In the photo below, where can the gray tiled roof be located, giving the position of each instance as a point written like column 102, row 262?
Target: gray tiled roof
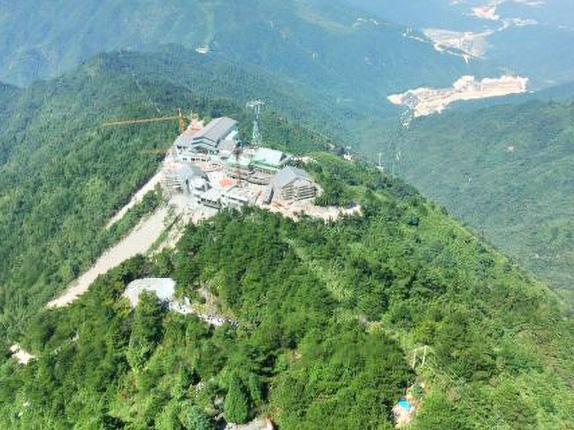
column 288, row 175
column 187, row 171
column 184, row 140
column 216, row 129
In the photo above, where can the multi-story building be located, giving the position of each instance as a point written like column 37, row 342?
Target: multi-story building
column 292, row 183
column 210, row 138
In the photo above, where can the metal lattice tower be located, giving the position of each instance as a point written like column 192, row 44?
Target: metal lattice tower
column 256, row 139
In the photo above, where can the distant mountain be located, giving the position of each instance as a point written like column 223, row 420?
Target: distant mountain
column 540, row 51
column 564, row 92
column 504, row 170
column 532, row 38
column 419, row 13
column 461, row 15
column 319, row 43
column 216, row 76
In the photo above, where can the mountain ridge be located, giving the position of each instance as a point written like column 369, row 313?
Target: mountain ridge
column 532, row 38
column 58, row 123
column 504, row 171
column 325, row 40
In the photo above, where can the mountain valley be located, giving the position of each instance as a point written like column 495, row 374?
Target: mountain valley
column 532, row 38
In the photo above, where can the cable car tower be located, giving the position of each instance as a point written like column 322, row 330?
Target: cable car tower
column 256, row 139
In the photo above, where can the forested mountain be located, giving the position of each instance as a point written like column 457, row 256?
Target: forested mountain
column 62, row 176
column 328, row 315
column 419, row 13
column 215, row 76
column 533, row 38
column 506, row 171
column 7, row 95
column 324, row 44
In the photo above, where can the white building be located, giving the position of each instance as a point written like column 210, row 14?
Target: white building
column 163, row 288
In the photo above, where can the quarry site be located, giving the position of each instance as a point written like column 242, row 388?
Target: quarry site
column 472, row 44
column 469, row 43
column 428, row 101
column 489, row 10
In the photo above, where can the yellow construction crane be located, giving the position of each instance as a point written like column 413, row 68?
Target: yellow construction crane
column 182, row 124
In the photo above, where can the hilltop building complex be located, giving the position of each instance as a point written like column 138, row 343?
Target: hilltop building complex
column 216, row 170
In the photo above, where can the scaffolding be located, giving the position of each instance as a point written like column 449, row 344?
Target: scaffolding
column 172, row 181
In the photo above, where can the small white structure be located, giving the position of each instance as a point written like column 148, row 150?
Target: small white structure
column 163, row 288
column 212, row 199
column 257, row 165
column 198, row 186
column 191, row 177
column 236, row 198
column 185, row 178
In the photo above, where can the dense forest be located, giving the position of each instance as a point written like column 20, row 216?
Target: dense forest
column 328, row 317
column 215, row 77
column 62, row 176
column 504, row 170
column 325, row 318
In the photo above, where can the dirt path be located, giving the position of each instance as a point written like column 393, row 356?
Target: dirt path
column 136, row 198
column 187, row 212
column 147, row 233
column 137, row 242
column 293, row 210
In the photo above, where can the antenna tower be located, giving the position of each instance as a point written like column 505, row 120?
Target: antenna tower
column 256, row 139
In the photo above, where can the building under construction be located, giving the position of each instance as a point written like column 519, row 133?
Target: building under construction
column 292, row 183
column 257, row 165
column 213, row 167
